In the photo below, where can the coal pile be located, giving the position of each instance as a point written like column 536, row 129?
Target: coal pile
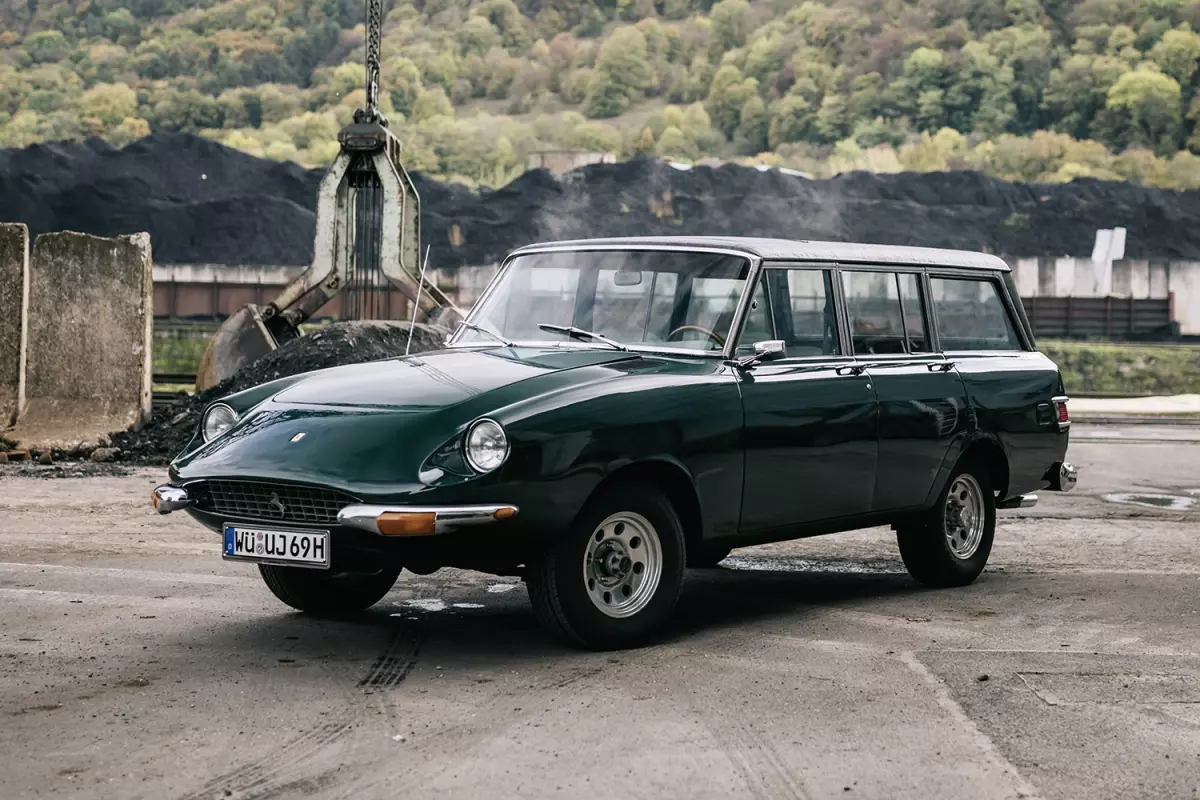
column 170, row 429
column 205, row 203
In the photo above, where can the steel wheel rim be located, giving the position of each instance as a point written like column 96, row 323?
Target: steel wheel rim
column 965, row 516
column 622, row 565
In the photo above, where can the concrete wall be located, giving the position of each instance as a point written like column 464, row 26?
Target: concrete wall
column 1140, row 278
column 90, row 319
column 14, row 315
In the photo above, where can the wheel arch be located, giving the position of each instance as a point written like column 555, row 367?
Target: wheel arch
column 988, row 450
column 991, row 454
column 673, row 480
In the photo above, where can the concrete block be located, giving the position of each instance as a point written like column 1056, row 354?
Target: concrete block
column 14, row 315
column 88, row 356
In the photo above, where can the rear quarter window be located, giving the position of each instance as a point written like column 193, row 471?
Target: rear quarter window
column 971, row 315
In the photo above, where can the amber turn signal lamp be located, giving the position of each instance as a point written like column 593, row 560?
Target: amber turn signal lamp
column 404, row 523
column 505, row 513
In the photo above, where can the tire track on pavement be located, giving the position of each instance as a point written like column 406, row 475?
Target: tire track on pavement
column 271, row 774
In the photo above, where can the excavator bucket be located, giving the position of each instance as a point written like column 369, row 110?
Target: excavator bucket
column 367, row 237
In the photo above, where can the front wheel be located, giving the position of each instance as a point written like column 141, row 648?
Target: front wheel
column 949, row 544
column 319, row 592
column 614, row 579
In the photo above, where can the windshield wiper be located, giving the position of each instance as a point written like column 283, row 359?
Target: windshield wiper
column 571, row 330
column 486, row 332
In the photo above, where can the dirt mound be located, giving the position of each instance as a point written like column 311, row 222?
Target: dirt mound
column 205, row 203
column 332, row 345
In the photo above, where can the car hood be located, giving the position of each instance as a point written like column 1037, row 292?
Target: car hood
column 370, row 426
column 436, row 380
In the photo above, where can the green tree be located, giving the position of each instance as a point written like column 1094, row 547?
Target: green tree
column 730, row 25
column 1178, row 54
column 1149, row 102
column 727, row 96
column 46, row 47
column 621, row 74
column 753, row 127
column 110, row 103
column 674, row 144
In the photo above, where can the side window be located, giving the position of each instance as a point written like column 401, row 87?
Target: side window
column 971, row 315
column 804, row 310
column 873, row 308
column 757, row 327
column 914, row 312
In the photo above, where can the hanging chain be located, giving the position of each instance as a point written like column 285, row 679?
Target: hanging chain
column 374, row 36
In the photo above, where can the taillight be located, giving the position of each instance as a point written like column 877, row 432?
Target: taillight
column 1060, row 408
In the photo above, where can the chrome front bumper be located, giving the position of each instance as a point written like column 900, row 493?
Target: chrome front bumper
column 168, row 498
column 446, row 518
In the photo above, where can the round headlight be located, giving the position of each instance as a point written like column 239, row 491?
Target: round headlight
column 218, row 419
column 487, row 446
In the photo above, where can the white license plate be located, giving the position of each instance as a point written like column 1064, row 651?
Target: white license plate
column 274, row 546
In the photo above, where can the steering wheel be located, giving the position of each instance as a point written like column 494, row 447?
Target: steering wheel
column 714, row 336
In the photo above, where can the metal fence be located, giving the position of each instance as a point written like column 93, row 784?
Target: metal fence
column 1111, row 318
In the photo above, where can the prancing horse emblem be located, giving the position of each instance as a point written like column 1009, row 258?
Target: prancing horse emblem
column 277, row 504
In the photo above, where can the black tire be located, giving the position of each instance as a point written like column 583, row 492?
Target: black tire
column 319, row 592
column 925, row 545
column 560, row 592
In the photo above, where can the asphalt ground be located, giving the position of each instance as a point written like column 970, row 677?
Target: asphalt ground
column 135, row 663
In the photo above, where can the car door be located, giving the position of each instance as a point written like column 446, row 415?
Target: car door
column 922, row 400
column 810, row 417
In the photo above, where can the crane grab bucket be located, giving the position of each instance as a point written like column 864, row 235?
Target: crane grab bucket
column 368, row 224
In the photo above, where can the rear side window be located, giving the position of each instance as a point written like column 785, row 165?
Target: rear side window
column 885, row 314
column 971, row 315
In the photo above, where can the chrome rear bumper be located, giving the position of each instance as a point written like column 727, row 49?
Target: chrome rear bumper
column 1062, row 477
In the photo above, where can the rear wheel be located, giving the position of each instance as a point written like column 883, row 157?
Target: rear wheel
column 950, row 543
column 614, row 579
column 320, row 592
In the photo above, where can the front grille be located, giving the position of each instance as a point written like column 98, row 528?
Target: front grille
column 277, row 502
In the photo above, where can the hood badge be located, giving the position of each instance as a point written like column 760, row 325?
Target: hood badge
column 297, row 437
column 277, row 504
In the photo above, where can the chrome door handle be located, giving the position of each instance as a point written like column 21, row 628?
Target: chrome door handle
column 941, row 366
column 853, row 369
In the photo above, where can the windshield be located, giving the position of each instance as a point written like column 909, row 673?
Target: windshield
column 647, row 298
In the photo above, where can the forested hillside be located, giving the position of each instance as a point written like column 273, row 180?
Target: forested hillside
column 1019, row 89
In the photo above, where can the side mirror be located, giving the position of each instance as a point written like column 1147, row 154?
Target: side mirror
column 769, row 350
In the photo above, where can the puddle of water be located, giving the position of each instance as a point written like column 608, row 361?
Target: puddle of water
column 427, row 604
column 1168, row 502
column 784, row 564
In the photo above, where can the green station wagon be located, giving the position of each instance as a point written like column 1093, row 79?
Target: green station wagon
column 612, row 411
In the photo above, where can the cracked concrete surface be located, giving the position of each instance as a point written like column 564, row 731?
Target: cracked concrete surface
column 135, row 663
